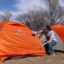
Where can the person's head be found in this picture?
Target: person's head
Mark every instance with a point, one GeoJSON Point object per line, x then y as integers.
{"type": "Point", "coordinates": [48, 28]}
{"type": "Point", "coordinates": [45, 31]}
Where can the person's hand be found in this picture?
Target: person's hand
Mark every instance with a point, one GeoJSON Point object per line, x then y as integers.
{"type": "Point", "coordinates": [42, 45]}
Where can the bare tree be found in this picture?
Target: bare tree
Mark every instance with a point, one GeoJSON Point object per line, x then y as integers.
{"type": "Point", "coordinates": [5, 16]}
{"type": "Point", "coordinates": [35, 19]}
{"type": "Point", "coordinates": [55, 10]}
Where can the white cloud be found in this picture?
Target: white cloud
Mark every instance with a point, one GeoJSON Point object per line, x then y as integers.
{"type": "Point", "coordinates": [1, 13]}
{"type": "Point", "coordinates": [25, 5]}
{"type": "Point", "coordinates": [61, 3]}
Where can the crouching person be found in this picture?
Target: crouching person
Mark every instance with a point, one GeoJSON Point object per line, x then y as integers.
{"type": "Point", "coordinates": [51, 40]}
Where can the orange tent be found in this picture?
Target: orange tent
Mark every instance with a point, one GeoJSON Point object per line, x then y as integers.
{"type": "Point", "coordinates": [59, 29]}
{"type": "Point", "coordinates": [17, 39]}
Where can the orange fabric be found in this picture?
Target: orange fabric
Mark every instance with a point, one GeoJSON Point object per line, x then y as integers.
{"type": "Point", "coordinates": [16, 39]}
{"type": "Point", "coordinates": [59, 29]}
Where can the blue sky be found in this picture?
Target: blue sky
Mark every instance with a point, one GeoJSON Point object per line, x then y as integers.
{"type": "Point", "coordinates": [7, 5]}
{"type": "Point", "coordinates": [62, 3]}
{"type": "Point", "coordinates": [20, 6]}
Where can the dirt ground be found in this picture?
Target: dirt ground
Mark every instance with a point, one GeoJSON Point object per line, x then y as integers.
{"type": "Point", "coordinates": [56, 59]}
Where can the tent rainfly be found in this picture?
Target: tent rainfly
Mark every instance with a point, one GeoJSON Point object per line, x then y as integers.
{"type": "Point", "coordinates": [17, 39]}
{"type": "Point", "coordinates": [59, 29]}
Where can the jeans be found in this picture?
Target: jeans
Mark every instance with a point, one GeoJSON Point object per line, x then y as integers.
{"type": "Point", "coordinates": [49, 47]}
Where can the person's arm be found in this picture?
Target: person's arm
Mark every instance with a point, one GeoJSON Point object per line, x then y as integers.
{"type": "Point", "coordinates": [52, 36]}
{"type": "Point", "coordinates": [47, 42]}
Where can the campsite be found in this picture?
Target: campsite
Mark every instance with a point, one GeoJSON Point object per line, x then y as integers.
{"type": "Point", "coordinates": [58, 58]}
{"type": "Point", "coordinates": [14, 54]}
{"type": "Point", "coordinates": [31, 31]}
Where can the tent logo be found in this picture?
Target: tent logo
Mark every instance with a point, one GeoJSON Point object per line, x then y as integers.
{"type": "Point", "coordinates": [19, 31]}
